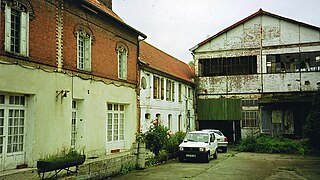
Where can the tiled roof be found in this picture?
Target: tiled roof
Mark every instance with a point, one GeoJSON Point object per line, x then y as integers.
{"type": "Point", "coordinates": [161, 61]}
{"type": "Point", "coordinates": [99, 6]}
{"type": "Point", "coordinates": [260, 12]}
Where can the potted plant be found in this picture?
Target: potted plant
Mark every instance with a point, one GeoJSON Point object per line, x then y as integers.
{"type": "Point", "coordinates": [62, 160]}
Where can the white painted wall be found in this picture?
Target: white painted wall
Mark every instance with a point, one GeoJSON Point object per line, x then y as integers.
{"type": "Point", "coordinates": [48, 116]}
{"type": "Point", "coordinates": [163, 107]}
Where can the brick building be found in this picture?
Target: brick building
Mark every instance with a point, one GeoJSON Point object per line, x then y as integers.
{"type": "Point", "coordinates": [68, 72]}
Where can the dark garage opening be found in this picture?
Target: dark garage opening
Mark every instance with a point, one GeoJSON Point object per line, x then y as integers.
{"type": "Point", "coordinates": [226, 127]}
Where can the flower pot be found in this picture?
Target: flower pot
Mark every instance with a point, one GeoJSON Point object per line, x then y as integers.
{"type": "Point", "coordinates": [46, 166]}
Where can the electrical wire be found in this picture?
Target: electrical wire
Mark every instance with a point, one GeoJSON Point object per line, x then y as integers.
{"type": "Point", "coordinates": [81, 76]}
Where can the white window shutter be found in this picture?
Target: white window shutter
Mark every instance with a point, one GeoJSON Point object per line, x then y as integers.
{"type": "Point", "coordinates": [87, 54]}
{"type": "Point", "coordinates": [24, 34]}
{"type": "Point", "coordinates": [7, 41]}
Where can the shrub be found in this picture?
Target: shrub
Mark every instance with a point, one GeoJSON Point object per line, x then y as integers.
{"type": "Point", "coordinates": [162, 156]}
{"type": "Point", "coordinates": [312, 125]}
{"type": "Point", "coordinates": [267, 144]}
{"type": "Point", "coordinates": [172, 145]}
{"type": "Point", "coordinates": [156, 138]}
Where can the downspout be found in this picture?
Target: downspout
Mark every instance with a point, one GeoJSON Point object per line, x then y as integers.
{"type": "Point", "coordinates": [138, 106]}
{"type": "Point", "coordinates": [261, 72]}
{"type": "Point", "coordinates": [138, 86]}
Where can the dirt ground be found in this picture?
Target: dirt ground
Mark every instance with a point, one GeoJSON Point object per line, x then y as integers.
{"type": "Point", "coordinates": [235, 165]}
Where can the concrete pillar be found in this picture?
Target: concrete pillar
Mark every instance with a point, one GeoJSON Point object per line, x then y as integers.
{"type": "Point", "coordinates": [141, 159]}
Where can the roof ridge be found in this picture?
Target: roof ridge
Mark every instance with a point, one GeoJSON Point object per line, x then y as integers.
{"type": "Point", "coordinates": [259, 12]}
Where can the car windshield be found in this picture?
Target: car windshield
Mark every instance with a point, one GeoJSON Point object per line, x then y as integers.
{"type": "Point", "coordinates": [197, 137]}
{"type": "Point", "coordinates": [218, 132]}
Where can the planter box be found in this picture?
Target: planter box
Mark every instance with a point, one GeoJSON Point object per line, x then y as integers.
{"type": "Point", "coordinates": [44, 166]}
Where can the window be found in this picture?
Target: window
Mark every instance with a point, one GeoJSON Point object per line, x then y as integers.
{"type": "Point", "coordinates": [228, 66]}
{"type": "Point", "coordinates": [73, 124]}
{"type": "Point", "coordinates": [12, 123]}
{"type": "Point", "coordinates": [293, 62]}
{"type": "Point", "coordinates": [249, 102]}
{"type": "Point", "coordinates": [158, 88]}
{"type": "Point", "coordinates": [249, 119]}
{"type": "Point", "coordinates": [169, 90]}
{"type": "Point", "coordinates": [170, 122]}
{"type": "Point", "coordinates": [16, 28]}
{"type": "Point", "coordinates": [179, 122]}
{"type": "Point", "coordinates": [115, 122]}
{"type": "Point", "coordinates": [162, 88]}
{"type": "Point", "coordinates": [122, 62]}
{"type": "Point", "coordinates": [84, 51]}
{"type": "Point", "coordinates": [173, 92]}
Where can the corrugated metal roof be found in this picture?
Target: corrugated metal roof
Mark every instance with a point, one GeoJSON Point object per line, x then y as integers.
{"type": "Point", "coordinates": [281, 99]}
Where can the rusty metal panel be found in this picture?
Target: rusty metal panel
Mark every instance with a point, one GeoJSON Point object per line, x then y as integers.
{"type": "Point", "coordinates": [234, 38]}
{"type": "Point", "coordinates": [289, 33]}
{"type": "Point", "coordinates": [252, 33]}
{"type": "Point", "coordinates": [283, 82]}
{"type": "Point", "coordinates": [270, 31]}
{"type": "Point", "coordinates": [213, 85]}
{"type": "Point", "coordinates": [310, 81]}
{"type": "Point", "coordinates": [309, 35]}
{"type": "Point", "coordinates": [244, 83]}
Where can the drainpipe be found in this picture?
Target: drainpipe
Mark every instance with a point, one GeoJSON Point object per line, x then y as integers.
{"type": "Point", "coordinates": [138, 85]}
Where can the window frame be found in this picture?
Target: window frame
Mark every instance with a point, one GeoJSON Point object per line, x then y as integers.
{"type": "Point", "coordinates": [84, 59]}
{"type": "Point", "coordinates": [116, 116]}
{"type": "Point", "coordinates": [23, 32]}
{"type": "Point", "coordinates": [249, 119]}
{"type": "Point", "coordinates": [122, 52]}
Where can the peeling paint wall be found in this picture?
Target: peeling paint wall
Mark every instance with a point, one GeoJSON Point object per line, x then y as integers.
{"type": "Point", "coordinates": [259, 37]}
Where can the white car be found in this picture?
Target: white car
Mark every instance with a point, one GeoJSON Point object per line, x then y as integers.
{"type": "Point", "coordinates": [222, 139]}
{"type": "Point", "coordinates": [198, 145]}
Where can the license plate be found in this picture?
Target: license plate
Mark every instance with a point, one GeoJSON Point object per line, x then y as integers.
{"type": "Point", "coordinates": [191, 155]}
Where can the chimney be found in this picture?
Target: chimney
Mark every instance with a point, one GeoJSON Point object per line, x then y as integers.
{"type": "Point", "coordinates": [106, 3]}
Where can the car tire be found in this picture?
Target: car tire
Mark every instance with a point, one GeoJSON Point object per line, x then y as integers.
{"type": "Point", "coordinates": [224, 149]}
{"type": "Point", "coordinates": [215, 156]}
{"type": "Point", "coordinates": [207, 158]}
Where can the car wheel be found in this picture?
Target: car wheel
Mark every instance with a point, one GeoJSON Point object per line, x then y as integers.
{"type": "Point", "coordinates": [207, 158]}
{"type": "Point", "coordinates": [224, 149]}
{"type": "Point", "coordinates": [215, 156]}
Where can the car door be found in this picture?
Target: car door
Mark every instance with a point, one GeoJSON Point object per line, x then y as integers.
{"type": "Point", "coordinates": [213, 143]}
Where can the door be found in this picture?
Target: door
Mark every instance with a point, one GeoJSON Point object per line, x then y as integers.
{"type": "Point", "coordinates": [12, 130]}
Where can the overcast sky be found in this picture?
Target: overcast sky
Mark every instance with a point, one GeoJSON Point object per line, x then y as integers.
{"type": "Point", "coordinates": [175, 26]}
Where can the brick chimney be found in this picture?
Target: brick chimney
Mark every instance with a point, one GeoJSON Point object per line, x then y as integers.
{"type": "Point", "coordinates": [107, 3]}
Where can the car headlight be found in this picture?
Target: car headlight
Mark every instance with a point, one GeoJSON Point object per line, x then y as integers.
{"type": "Point", "coordinates": [181, 148]}
{"type": "Point", "coordinates": [202, 149]}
